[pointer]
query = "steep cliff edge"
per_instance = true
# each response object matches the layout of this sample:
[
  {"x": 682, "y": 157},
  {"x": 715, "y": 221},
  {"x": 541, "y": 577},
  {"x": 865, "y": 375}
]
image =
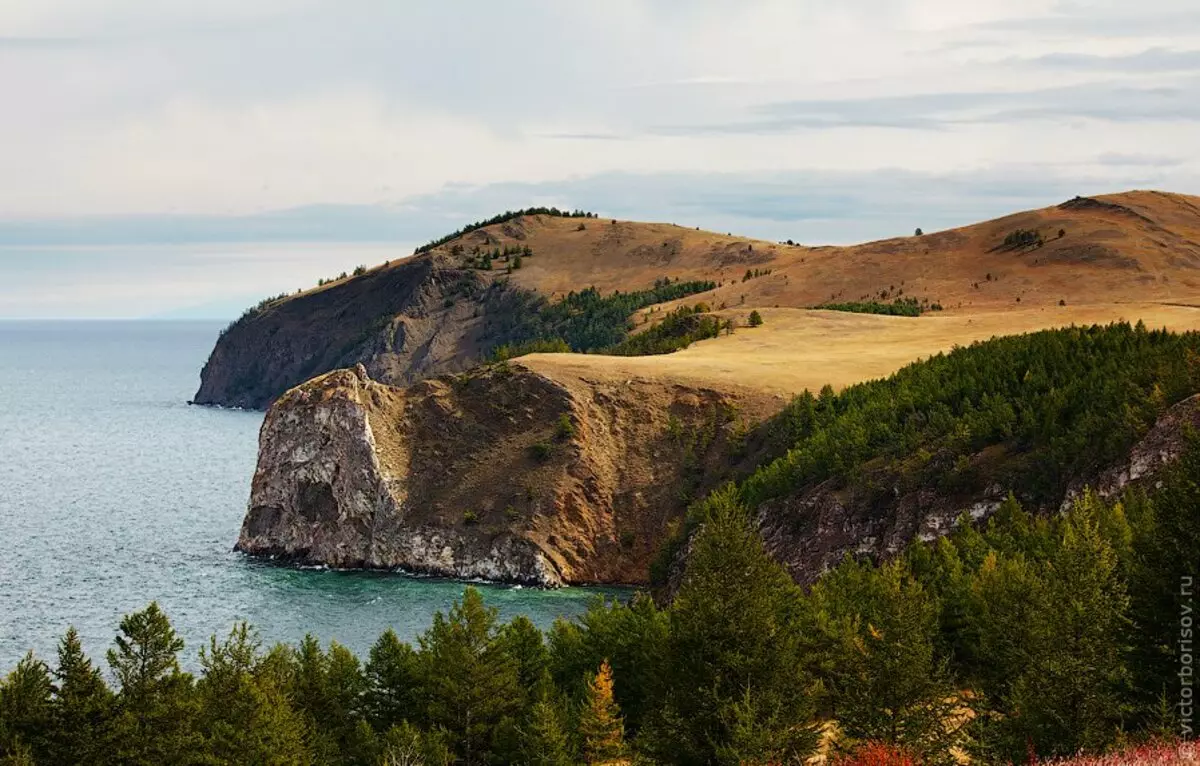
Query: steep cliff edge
[
  {"x": 403, "y": 321},
  {"x": 504, "y": 473}
]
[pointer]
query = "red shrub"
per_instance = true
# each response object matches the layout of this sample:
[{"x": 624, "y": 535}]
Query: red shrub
[{"x": 876, "y": 754}]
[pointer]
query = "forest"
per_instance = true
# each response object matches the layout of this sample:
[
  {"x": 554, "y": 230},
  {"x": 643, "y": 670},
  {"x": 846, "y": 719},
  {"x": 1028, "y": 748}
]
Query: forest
[
  {"x": 1027, "y": 636},
  {"x": 583, "y": 321}
]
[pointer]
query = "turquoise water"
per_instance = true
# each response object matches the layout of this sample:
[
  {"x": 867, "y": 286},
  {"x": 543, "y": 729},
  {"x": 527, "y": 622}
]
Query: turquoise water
[{"x": 114, "y": 492}]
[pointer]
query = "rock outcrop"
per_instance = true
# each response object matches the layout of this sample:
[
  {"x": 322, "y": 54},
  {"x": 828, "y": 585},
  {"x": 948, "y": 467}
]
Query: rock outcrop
[
  {"x": 404, "y": 321},
  {"x": 503, "y": 473}
]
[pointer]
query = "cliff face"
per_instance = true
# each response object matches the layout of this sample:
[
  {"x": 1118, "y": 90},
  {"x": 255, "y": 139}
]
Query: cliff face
[
  {"x": 403, "y": 321},
  {"x": 504, "y": 473}
]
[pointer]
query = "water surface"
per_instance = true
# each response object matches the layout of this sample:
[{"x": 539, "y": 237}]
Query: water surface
[{"x": 114, "y": 492}]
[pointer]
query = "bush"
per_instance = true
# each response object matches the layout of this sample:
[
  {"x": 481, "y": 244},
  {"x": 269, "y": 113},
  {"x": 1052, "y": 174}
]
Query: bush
[
  {"x": 359, "y": 270},
  {"x": 565, "y": 429},
  {"x": 541, "y": 451},
  {"x": 756, "y": 319},
  {"x": 470, "y": 517},
  {"x": 918, "y": 232}
]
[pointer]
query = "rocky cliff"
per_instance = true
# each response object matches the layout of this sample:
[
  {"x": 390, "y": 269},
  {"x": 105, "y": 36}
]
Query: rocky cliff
[
  {"x": 504, "y": 473},
  {"x": 403, "y": 321}
]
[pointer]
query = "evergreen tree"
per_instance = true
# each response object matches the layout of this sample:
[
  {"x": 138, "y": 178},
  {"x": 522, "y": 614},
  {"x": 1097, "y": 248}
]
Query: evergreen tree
[
  {"x": 732, "y": 630},
  {"x": 630, "y": 637},
  {"x": 601, "y": 730},
  {"x": 887, "y": 682},
  {"x": 26, "y": 711},
  {"x": 246, "y": 716},
  {"x": 544, "y": 739},
  {"x": 471, "y": 682},
  {"x": 521, "y": 640},
  {"x": 394, "y": 692},
  {"x": 156, "y": 702},
  {"x": 1165, "y": 577},
  {"x": 1055, "y": 634},
  {"x": 83, "y": 708}
]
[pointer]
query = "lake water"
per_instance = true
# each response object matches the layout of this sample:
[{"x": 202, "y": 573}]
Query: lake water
[{"x": 114, "y": 492}]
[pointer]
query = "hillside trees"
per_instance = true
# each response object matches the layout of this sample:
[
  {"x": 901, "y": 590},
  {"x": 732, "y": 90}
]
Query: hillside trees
[{"x": 736, "y": 690}]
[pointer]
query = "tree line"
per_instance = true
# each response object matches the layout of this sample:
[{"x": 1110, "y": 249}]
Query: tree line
[
  {"x": 583, "y": 321},
  {"x": 504, "y": 217}
]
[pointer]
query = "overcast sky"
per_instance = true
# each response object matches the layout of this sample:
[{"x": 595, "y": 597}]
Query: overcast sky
[{"x": 148, "y": 121}]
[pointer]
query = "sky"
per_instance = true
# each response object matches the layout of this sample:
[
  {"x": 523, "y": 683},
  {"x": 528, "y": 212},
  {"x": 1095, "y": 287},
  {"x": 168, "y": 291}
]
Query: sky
[{"x": 171, "y": 158}]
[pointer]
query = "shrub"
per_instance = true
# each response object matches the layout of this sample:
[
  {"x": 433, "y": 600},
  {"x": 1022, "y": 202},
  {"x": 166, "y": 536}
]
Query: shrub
[
  {"x": 511, "y": 513},
  {"x": 755, "y": 318},
  {"x": 918, "y": 232},
  {"x": 876, "y": 754},
  {"x": 541, "y": 451},
  {"x": 359, "y": 270},
  {"x": 564, "y": 429},
  {"x": 470, "y": 517}
]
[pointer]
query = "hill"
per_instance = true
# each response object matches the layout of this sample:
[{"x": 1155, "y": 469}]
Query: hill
[{"x": 439, "y": 312}]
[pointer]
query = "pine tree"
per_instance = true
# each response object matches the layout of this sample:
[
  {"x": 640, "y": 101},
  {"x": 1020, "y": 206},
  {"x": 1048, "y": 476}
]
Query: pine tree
[
  {"x": 470, "y": 681},
  {"x": 888, "y": 682},
  {"x": 521, "y": 640},
  {"x": 601, "y": 730},
  {"x": 732, "y": 629},
  {"x": 1053, "y": 633},
  {"x": 26, "y": 711},
  {"x": 156, "y": 702},
  {"x": 245, "y": 715},
  {"x": 544, "y": 739},
  {"x": 393, "y": 674},
  {"x": 83, "y": 708}
]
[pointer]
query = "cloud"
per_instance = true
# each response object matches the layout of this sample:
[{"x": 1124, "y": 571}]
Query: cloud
[{"x": 1151, "y": 60}]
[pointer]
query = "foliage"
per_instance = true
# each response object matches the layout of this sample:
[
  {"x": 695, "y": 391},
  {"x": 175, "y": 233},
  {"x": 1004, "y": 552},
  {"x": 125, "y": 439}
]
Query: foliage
[
  {"x": 755, "y": 319},
  {"x": 1022, "y": 238},
  {"x": 1059, "y": 403},
  {"x": 586, "y": 321},
  {"x": 504, "y": 217},
  {"x": 901, "y": 307},
  {"x": 677, "y": 329}
]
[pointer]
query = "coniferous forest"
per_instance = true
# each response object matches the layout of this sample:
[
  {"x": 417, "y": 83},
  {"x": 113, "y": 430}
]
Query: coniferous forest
[{"x": 1027, "y": 635}]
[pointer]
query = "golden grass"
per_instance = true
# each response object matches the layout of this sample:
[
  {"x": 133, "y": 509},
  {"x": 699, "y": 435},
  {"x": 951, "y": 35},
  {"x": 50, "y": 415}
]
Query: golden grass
[{"x": 797, "y": 349}]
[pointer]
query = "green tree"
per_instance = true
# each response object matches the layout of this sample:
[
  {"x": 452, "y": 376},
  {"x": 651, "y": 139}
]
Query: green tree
[
  {"x": 1054, "y": 632},
  {"x": 732, "y": 634},
  {"x": 26, "y": 709},
  {"x": 246, "y": 716},
  {"x": 544, "y": 739},
  {"x": 630, "y": 637},
  {"x": 470, "y": 680},
  {"x": 156, "y": 702},
  {"x": 756, "y": 319},
  {"x": 81, "y": 732},
  {"x": 394, "y": 692},
  {"x": 887, "y": 681}
]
